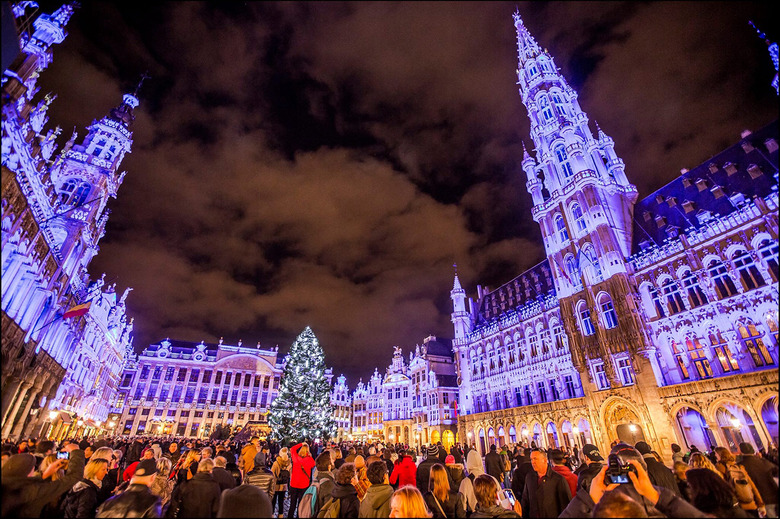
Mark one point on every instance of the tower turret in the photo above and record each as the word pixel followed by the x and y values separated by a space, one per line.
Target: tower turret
pixel 460 317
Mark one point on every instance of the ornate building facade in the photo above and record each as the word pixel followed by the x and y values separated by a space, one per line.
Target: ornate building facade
pixel 177 388
pixel 57 372
pixel 652 320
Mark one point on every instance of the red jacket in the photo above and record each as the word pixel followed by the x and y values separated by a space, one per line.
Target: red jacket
pixel 404 473
pixel 300 475
pixel 571 479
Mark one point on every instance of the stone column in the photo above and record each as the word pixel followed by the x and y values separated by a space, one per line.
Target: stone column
pixel 41 418
pixel 9 422
pixel 20 425
pixel 10 391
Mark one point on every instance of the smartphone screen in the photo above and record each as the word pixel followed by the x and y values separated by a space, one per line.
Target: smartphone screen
pixel 63 455
pixel 510 496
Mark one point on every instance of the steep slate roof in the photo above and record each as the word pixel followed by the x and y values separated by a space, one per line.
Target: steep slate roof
pixel 534 284
pixel 447 380
pixel 711 190
pixel 439 346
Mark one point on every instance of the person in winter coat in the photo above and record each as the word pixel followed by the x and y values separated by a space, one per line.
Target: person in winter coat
pixel 558 459
pixel 82 499
pixel 494 465
pixel 220 474
pixel 522 468
pixel 660 475
pixel 404 472
pixel 281 469
pixel 247 461
pixel 763 473
pixel 173 453
pixel 743 485
pixel 441 501
pixel 197 497
pixel 244 501
pixel 546 492
pixel 324 464
pixel 680 470
pixel 261 476
pixel 344 492
pixel 361 476
pixel 387 456
pixel 652 501
pixel 486 489
pixel 712 495
pixel 162 486
pixel 424 469
pixel 474 469
pixel 24 496
pixel 593 461
pixel 455 471
pixel 377 500
pixel 137 500
pixel 300 476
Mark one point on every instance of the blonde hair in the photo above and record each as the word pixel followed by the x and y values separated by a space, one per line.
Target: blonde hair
pixel 206 465
pixel 164 466
pixel 725 455
pixel 103 453
pixel 304 450
pixel 699 461
pixel 48 460
pixel 439 482
pixel 92 468
pixel 411 502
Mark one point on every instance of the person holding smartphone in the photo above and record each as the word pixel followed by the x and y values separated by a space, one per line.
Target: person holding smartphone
pixel 492 501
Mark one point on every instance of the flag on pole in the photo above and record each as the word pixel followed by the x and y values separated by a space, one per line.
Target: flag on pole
pixel 77 310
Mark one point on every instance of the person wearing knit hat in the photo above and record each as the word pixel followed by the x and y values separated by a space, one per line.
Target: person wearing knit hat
pixel 424 469
pixel 660 474
pixel 244 501
pixel 361 482
pixel 24 496
pixel 449 460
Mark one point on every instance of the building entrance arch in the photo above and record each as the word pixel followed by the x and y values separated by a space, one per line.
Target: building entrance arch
pixel 623 423
pixel 769 417
pixel 694 429
pixel 435 437
pixel 447 439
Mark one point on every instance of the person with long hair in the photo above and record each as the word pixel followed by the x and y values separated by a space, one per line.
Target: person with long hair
pixel 162 486
pixel 441 500
pixel 189 466
pixel 300 477
pixel 736 475
pixel 407 501
pixel 82 499
pixel 699 460
pixel 712 495
pixel 487 489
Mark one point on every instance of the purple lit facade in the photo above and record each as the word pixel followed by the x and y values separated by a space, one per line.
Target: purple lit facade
pixel 654 319
pixel 59 375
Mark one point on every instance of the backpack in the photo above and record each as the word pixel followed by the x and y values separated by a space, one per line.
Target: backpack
pixel 331 508
pixel 507 463
pixel 741 483
pixel 284 477
pixel 308 502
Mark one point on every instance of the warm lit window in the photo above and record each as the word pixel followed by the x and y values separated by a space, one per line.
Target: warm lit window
pixel 679 356
pixel 722 352
pixel 698 358
pixel 755 345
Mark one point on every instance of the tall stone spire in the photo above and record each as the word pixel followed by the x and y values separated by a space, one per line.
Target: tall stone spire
pixel 773 53
pixel 460 317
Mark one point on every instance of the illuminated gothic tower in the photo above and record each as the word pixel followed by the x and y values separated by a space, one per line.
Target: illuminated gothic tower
pixel 583 203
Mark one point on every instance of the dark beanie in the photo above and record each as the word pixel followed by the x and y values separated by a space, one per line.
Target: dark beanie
pixel 643 448
pixel 19 465
pixel 244 501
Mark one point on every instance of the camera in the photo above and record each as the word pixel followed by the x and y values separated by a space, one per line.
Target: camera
pixel 617 472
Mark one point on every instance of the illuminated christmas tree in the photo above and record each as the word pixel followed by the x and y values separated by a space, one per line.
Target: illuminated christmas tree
pixel 302 408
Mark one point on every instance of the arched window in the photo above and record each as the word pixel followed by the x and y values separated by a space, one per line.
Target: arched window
pixel 608 312
pixel 771 324
pixel 673 299
pixel 574 274
pixel 558 103
pixel 585 321
pixel 679 355
pixel 579 218
pixel 695 294
pixel 748 272
pixel 656 297
pixel 533 342
pixel 768 252
pixel 724 285
pixel 533 70
pixel 722 352
pixel 563 160
pixel 547 113
pixel 558 335
pixel 560 225
pixel 754 344
pixel 699 359
pixel 74 192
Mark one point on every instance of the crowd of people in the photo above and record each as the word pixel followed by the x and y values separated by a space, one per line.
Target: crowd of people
pixel 155 477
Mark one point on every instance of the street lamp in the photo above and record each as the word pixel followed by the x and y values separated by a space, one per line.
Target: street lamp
pixel 576 431
pixel 53 415
pixel 633 428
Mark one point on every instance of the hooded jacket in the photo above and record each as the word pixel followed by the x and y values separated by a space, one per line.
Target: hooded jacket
pixel 404 473
pixel 81 501
pixel 350 505
pixel 197 497
pixel 377 501
pixel 281 463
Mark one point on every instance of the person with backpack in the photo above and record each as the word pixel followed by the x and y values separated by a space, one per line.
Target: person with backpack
pixel 377 500
pixel 343 501
pixel 281 470
pixel 320 490
pixel 712 495
pixel 300 475
pixel 737 476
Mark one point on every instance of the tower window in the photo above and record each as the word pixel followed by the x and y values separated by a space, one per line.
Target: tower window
pixel 587 324
pixel 547 113
pixel 626 371
pixel 754 344
pixel 673 299
pixel 610 317
pixel 563 160
pixel 579 218
pixel 768 251
pixel 699 359
pixel 560 225
pixel 602 382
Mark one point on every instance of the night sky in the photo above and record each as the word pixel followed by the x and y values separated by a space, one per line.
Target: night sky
pixel 325 164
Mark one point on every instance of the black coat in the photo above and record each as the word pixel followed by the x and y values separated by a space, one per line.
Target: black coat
pixel 81 500
pixel 198 497
pixel 494 465
pixel 223 478
pixel 762 472
pixel 136 501
pixel 350 504
pixel 586 475
pixel 518 476
pixel 454 506
pixel 424 473
pixel 660 475
pixel 545 498
pixel 668 504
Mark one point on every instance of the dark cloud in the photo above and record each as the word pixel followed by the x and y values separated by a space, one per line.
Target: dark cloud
pixel 325 164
